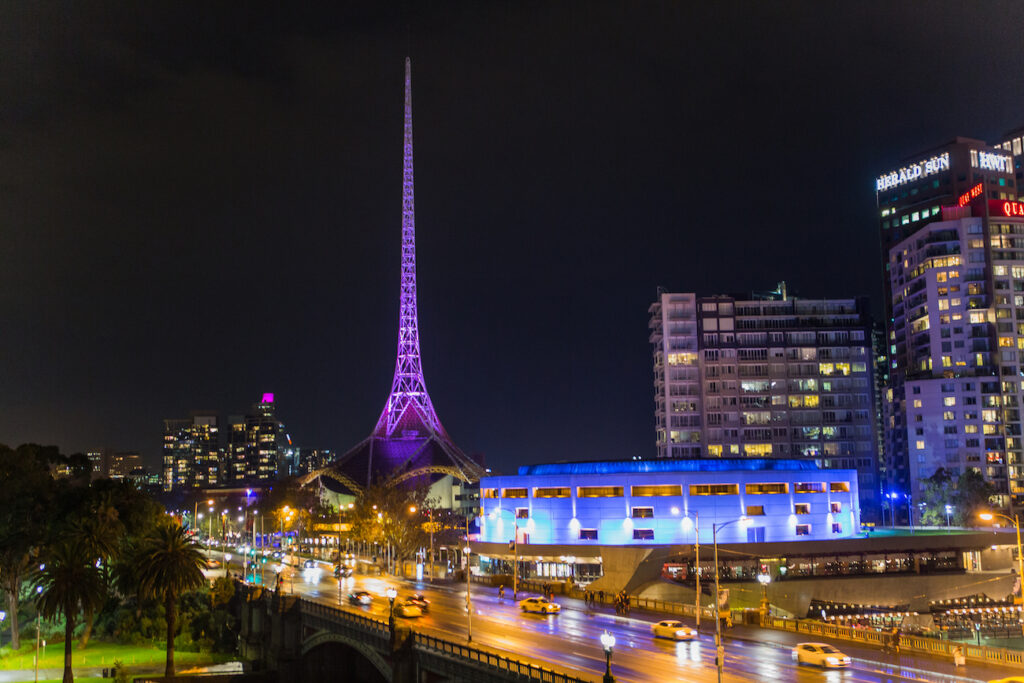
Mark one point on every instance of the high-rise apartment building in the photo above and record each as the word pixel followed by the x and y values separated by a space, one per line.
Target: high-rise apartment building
pixel 191 452
pixel 952 237
pixel 777 377
pixel 124 463
pixel 256 443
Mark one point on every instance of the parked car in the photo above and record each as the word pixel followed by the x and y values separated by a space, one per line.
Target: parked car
pixel 674 630
pixel 820 654
pixel 539 605
pixel 360 598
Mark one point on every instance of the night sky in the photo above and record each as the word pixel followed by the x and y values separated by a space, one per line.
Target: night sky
pixel 198 204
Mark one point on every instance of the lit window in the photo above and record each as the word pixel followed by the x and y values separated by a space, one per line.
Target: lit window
pixel 805 529
pixel 758 489
pixel 513 493
pixel 522 513
pixel 657 490
pixel 920 445
pixel 642 512
pixel 917 403
pixel 643 534
pixel 802 509
pixel 949 401
pixel 835 508
pixel 714 489
pixel 755 510
pixel 599 492
pixel 588 534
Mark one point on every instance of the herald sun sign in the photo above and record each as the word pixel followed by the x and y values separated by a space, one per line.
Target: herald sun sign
pixel 921 169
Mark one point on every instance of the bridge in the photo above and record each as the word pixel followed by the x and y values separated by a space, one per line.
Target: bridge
pixel 306 641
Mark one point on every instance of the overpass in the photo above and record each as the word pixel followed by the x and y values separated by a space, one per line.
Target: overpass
pixel 306 641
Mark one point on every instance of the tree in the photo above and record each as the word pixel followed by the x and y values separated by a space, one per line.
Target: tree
pixel 938 492
pixel 169 564
pixel 70 583
pixel 99 531
pixel 28 493
pixel 973 494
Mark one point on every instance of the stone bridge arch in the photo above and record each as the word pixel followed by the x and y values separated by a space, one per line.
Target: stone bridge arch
pixel 323 643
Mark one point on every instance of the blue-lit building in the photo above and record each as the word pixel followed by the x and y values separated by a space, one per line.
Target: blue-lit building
pixel 658 502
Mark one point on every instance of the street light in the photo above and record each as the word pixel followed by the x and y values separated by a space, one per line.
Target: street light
pixel 988 517
pixel 392 594
pixel 764 580
pixel 608 642
pixel 469 597
pixel 949 510
pixel 719 647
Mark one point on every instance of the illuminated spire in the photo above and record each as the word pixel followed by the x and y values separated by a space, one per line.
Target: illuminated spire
pixel 408 407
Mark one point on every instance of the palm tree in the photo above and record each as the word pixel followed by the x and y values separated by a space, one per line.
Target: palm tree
pixel 169 564
pixel 70 583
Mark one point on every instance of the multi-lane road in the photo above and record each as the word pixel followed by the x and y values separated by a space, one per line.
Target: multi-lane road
pixel 569 641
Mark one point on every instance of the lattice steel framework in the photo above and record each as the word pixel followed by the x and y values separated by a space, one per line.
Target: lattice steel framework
pixel 408 389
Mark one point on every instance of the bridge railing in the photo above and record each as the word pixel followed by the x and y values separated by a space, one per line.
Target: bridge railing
pixel 493 660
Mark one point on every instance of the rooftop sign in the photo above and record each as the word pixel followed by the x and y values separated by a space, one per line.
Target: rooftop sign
pixel 972 193
pixel 907 174
pixel 993 162
pixel 1004 207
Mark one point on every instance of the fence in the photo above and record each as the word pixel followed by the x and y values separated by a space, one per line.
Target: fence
pixel 491 660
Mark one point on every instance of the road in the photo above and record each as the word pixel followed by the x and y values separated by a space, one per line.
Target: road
pixel 570 642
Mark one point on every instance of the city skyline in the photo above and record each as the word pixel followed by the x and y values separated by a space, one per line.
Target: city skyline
pixel 192 224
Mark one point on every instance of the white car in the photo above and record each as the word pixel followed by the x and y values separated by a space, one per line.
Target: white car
pixel 405 609
pixel 820 654
pixel 539 605
pixel 674 630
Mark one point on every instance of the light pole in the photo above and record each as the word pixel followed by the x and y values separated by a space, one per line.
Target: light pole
pixel 764 580
pixel 608 642
pixel 988 517
pixel 949 510
pixel 469 596
pixel 39 589
pixel 3 616
pixel 392 594
pixel 515 555
pixel 719 647
pixel 696 565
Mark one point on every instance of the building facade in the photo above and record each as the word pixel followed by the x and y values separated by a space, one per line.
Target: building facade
pixel 777 377
pixel 659 502
pixel 952 235
pixel 191 452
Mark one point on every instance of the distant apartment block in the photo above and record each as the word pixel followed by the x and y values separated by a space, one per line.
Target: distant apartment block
pixel 772 377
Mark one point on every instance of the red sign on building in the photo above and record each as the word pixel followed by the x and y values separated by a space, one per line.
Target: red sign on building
pixel 966 197
pixel 1004 207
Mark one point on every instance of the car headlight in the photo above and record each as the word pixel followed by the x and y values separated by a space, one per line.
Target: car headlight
pixel 681 633
pixel 832 660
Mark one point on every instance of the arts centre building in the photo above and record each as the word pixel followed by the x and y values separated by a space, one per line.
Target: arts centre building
pixel 640 525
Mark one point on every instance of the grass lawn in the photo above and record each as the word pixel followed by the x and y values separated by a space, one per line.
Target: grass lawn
pixel 104 654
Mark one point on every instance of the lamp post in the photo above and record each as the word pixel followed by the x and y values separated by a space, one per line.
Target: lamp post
pixel 696 565
pixel 949 510
pixel 39 589
pixel 3 616
pixel 515 554
pixel 608 642
pixel 719 647
pixel 1015 520
pixel 392 594
pixel 764 580
pixel 469 595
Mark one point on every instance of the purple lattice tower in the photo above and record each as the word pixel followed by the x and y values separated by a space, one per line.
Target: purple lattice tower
pixel 408 407
pixel 409 444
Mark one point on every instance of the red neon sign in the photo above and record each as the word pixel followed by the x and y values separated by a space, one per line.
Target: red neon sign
pixel 1004 207
pixel 966 197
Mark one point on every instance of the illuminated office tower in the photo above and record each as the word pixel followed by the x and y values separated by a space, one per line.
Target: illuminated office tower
pixel 953 241
pixel 769 377
pixel 190 452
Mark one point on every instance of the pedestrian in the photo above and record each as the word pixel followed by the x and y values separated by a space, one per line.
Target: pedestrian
pixel 958 656
pixel 501 591
pixel 600 596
